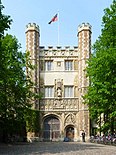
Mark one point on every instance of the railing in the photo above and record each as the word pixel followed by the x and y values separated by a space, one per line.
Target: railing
pixel 71 104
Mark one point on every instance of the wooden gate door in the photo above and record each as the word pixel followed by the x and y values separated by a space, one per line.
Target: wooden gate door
pixel 70 133
pixel 51 128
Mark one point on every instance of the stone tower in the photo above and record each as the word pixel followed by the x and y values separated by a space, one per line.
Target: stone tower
pixel 84 49
pixel 32 46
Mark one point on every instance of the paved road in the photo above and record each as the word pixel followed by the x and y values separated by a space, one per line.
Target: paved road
pixel 57 148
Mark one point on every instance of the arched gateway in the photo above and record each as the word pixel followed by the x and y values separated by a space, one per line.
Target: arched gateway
pixel 51 128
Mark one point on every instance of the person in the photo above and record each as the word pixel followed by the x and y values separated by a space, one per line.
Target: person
pixel 83 136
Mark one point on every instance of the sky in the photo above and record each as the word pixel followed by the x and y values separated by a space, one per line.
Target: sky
pixel 71 14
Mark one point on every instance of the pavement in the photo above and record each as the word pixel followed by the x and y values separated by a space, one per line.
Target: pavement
pixel 57 148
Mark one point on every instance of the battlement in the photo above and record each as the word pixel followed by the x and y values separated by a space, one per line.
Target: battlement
pixel 32 26
pixel 84 26
pixel 59 51
pixel 59 48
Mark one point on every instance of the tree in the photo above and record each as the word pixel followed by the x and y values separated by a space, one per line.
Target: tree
pixel 101 94
pixel 15 92
pixel 5 21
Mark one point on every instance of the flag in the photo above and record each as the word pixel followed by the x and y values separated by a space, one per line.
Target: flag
pixel 55 18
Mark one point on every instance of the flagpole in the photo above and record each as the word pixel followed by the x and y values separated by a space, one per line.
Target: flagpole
pixel 58 29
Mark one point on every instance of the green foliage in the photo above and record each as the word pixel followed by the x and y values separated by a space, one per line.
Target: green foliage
pixel 13 83
pixel 101 96
pixel 32 121
pixel 15 87
pixel 5 22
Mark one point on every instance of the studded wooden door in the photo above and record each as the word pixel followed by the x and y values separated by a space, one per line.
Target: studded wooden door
pixel 51 129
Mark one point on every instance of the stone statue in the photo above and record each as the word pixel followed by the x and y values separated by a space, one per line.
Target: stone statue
pixel 59 92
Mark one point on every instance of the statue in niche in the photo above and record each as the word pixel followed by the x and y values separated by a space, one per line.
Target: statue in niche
pixel 58 88
pixel 59 92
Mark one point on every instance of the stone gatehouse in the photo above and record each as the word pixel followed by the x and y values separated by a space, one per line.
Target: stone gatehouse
pixel 60 76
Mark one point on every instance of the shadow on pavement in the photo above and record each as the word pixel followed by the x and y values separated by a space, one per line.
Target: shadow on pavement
pixel 42 148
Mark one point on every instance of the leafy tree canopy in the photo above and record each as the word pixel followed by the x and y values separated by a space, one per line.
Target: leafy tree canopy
pixel 15 92
pixel 5 21
pixel 101 95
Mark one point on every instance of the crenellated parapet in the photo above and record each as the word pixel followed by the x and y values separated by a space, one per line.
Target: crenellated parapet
pixel 59 47
pixel 32 26
pixel 84 26
pixel 58 51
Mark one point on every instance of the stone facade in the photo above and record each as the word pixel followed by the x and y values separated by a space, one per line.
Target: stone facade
pixel 60 76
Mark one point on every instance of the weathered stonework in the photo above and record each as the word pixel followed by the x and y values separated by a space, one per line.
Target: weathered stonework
pixel 61 115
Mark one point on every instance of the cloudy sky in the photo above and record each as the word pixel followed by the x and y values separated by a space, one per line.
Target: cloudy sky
pixel 71 14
